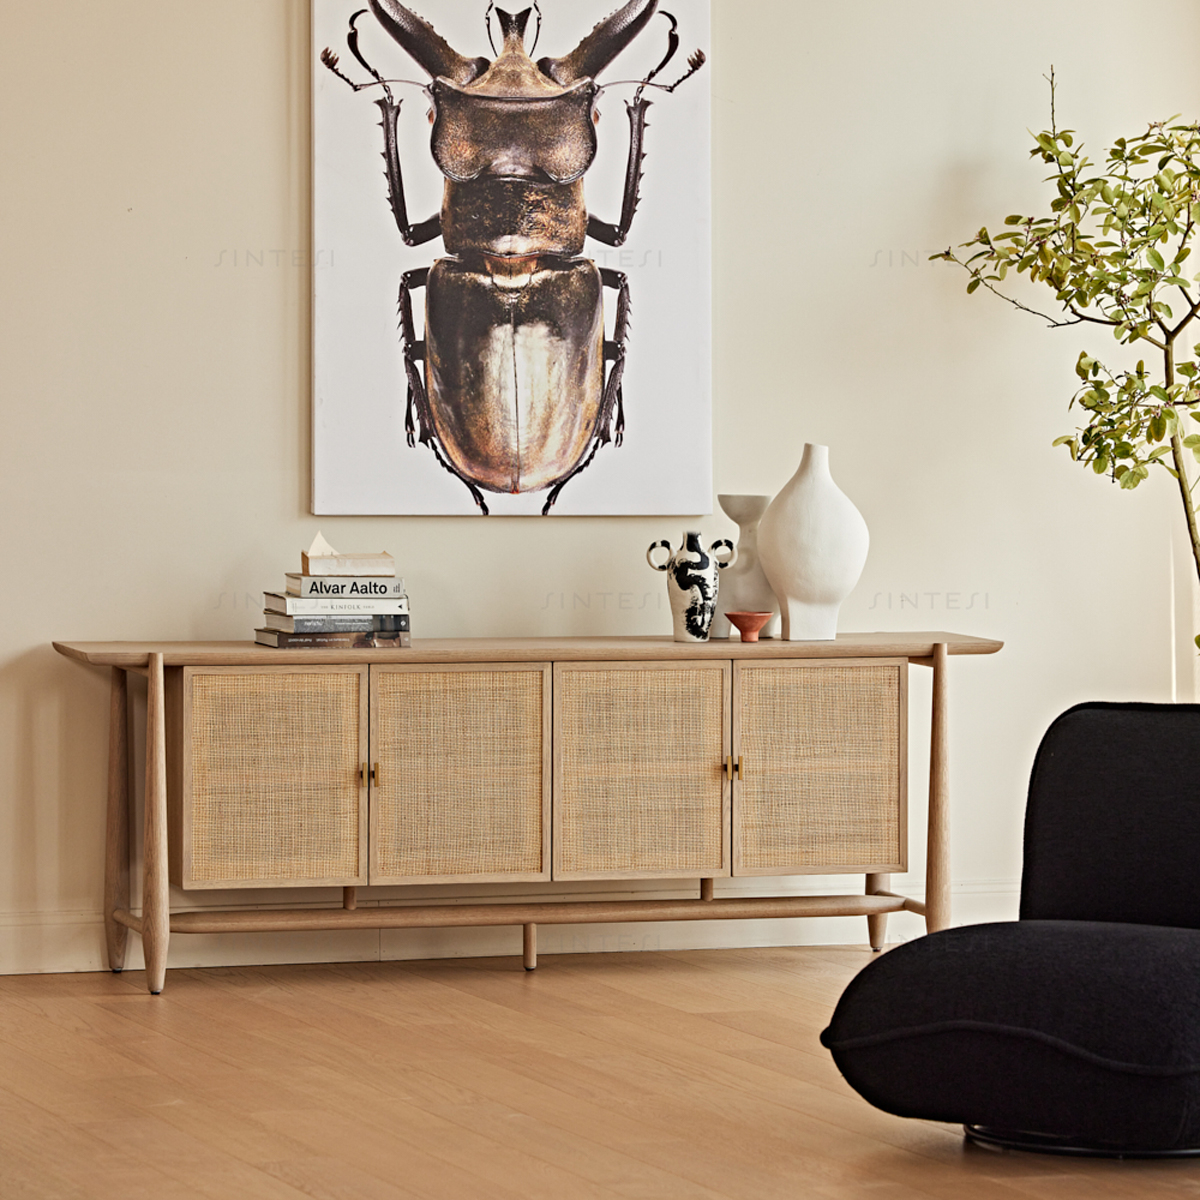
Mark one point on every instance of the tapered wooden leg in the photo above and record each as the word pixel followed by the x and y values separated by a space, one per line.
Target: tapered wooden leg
pixel 156 914
pixel 937 859
pixel 877 922
pixel 706 889
pixel 529 946
pixel 116 836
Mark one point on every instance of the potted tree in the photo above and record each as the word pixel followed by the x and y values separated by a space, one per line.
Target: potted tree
pixel 1114 250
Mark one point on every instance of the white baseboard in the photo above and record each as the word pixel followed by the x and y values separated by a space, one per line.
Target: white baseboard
pixel 41 942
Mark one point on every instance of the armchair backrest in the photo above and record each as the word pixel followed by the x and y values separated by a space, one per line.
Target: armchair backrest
pixel 1112 827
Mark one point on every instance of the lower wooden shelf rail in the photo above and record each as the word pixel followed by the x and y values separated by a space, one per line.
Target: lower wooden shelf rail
pixel 583 912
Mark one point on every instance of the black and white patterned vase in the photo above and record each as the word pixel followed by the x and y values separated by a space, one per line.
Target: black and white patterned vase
pixel 692 582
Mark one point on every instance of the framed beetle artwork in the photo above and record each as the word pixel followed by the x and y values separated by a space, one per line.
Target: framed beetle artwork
pixel 511 270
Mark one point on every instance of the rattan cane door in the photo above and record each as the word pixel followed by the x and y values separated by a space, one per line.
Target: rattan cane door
pixel 462 792
pixel 639 769
pixel 822 780
pixel 267 787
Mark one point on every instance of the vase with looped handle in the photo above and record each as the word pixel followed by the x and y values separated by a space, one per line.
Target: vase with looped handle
pixel 692 581
pixel 813 544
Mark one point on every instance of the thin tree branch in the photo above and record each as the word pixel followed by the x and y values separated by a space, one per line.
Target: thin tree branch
pixel 1192 311
pixel 974 273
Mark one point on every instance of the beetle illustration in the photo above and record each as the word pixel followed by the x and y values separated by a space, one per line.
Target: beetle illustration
pixel 520 386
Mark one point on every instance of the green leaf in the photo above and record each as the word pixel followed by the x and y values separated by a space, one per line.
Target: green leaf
pixel 973 285
pixel 1156 259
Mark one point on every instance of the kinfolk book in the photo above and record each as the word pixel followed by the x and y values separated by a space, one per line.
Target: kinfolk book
pixel 295 606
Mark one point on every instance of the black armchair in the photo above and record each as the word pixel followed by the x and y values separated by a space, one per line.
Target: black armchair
pixel 1076 1028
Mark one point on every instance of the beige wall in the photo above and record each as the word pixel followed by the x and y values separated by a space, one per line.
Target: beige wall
pixel 154 461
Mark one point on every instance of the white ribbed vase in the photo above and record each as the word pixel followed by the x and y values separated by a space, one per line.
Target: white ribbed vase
pixel 812 543
pixel 744 587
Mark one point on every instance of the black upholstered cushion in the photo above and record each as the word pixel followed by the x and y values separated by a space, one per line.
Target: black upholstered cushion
pixel 1112 828
pixel 1077 1029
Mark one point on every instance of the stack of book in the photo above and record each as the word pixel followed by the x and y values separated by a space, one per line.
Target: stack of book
pixel 337 601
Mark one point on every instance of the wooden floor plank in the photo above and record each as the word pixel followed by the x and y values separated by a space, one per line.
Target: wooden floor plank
pixel 210 1171
pixel 335 1179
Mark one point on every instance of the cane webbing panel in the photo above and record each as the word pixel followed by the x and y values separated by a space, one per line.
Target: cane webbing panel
pixel 275 785
pixel 821 767
pixel 641 763
pixel 460 759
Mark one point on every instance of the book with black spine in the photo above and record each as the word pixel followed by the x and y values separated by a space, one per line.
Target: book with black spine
pixel 327 623
pixel 332 641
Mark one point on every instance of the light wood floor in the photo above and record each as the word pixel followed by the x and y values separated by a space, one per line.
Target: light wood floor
pixel 694 1075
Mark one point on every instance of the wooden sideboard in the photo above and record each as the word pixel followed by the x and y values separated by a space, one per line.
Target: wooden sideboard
pixel 518 759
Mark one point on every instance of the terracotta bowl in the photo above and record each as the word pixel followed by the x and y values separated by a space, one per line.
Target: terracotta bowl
pixel 749 623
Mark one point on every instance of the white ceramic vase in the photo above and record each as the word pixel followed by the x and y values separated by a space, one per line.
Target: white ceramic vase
pixel 812 543
pixel 744 587
pixel 692 582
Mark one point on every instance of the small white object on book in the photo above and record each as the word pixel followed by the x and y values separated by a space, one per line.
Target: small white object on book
pixel 322 559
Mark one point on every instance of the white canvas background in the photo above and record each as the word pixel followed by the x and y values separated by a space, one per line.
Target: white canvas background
pixel 361 461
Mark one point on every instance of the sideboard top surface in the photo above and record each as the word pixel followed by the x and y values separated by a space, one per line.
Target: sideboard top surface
pixel 557 649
